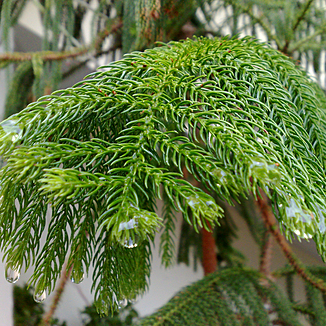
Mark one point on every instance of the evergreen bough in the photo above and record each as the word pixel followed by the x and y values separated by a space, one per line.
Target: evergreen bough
pixel 234 116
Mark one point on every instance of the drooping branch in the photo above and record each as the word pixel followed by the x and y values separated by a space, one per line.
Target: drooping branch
pixel 270 221
pixel 63 55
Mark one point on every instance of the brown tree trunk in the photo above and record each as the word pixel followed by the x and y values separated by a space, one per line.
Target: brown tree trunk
pixel 209 253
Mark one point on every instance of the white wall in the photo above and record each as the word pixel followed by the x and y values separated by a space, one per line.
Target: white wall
pixel 5 287
pixel 6 302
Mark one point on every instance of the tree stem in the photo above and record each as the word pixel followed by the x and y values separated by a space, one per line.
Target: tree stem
pixel 209 254
pixel 46 321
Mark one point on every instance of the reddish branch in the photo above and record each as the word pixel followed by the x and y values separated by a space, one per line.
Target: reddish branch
pixel 57 56
pixel 46 321
pixel 270 221
pixel 209 261
pixel 266 256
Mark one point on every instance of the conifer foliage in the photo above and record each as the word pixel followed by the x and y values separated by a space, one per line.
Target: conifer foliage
pixel 236 115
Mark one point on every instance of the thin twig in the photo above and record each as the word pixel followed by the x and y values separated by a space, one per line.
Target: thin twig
pixel 270 221
pixel 58 56
pixel 266 256
pixel 304 11
pixel 46 320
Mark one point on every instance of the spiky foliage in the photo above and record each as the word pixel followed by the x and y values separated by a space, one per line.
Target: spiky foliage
pixel 234 114
pixel 241 296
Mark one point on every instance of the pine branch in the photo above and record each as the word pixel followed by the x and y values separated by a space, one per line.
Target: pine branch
pixel 232 296
pixel 236 115
pixel 296 46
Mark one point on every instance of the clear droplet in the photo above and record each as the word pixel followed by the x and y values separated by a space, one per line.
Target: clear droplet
pixel 12 130
pixel 39 296
pixel 273 173
pixel 122 303
pixel 321 217
pixel 77 275
pixel 12 275
pixel 193 201
pixel 131 242
pixel 209 203
pixel 131 224
pixel 133 300
pixel 259 168
pixel 220 175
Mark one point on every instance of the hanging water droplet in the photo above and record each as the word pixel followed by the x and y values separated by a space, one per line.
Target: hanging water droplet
pixel 131 224
pixel 77 275
pixel 273 173
pixel 12 275
pixel 209 203
pixel 12 130
pixel 122 303
pixel 193 201
pixel 220 175
pixel 258 168
pixel 131 242
pixel 39 296
pixel 133 300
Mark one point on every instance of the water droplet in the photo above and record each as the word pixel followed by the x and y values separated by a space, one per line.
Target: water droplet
pixel 12 130
pixel 12 275
pixel 122 303
pixel 39 296
pixel 131 242
pixel 258 167
pixel 273 173
pixel 133 300
pixel 321 217
pixel 77 275
pixel 131 224
pixel 209 203
pixel 263 171
pixel 193 201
